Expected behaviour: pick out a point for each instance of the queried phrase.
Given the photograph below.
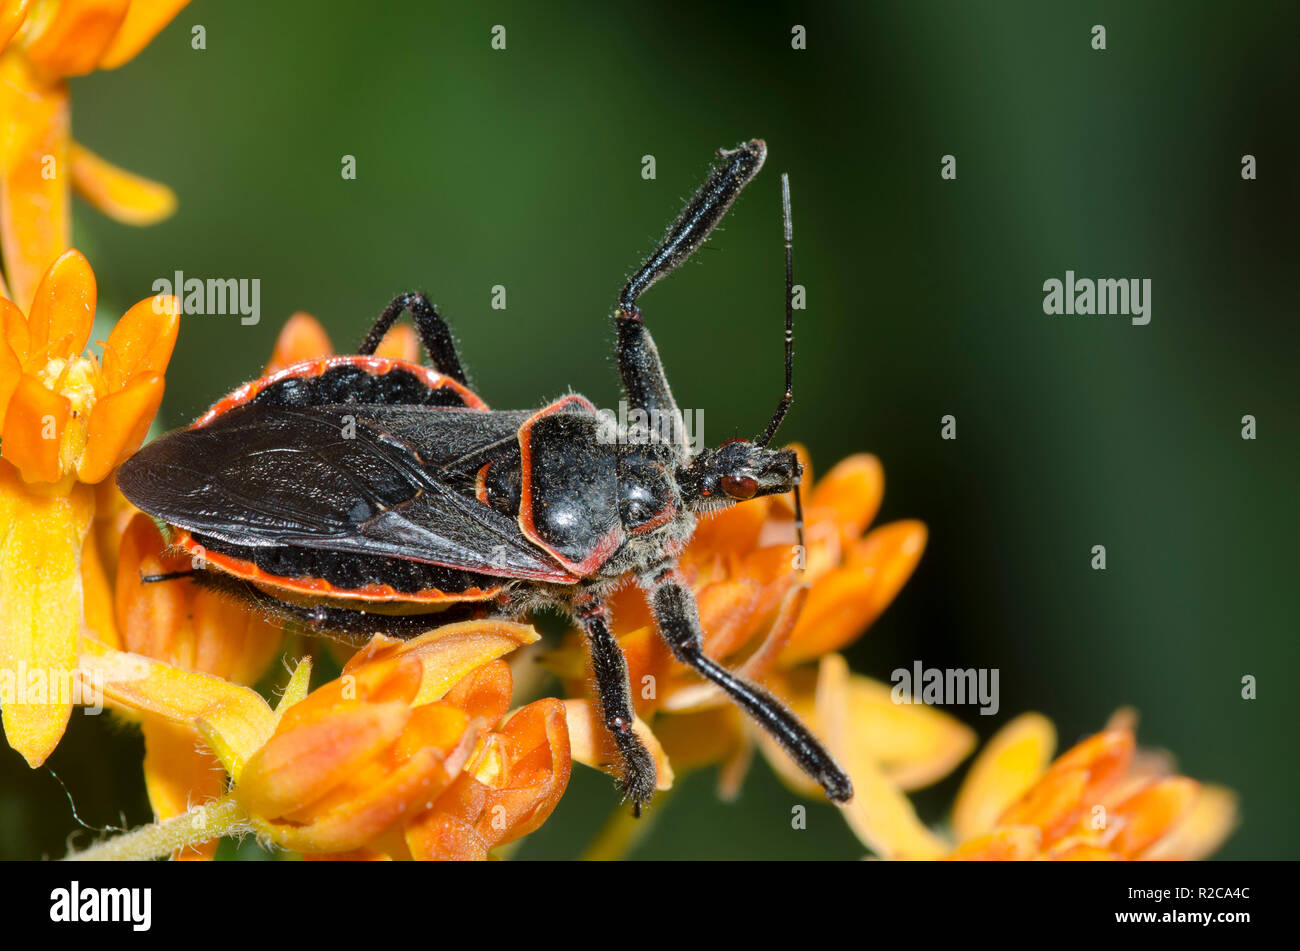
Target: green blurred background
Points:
(522, 167)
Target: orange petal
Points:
(1105, 756)
(118, 424)
(77, 36)
(63, 309)
(13, 327)
(303, 338)
(1145, 817)
(400, 343)
(11, 371)
(124, 196)
(33, 431)
(847, 600)
(1010, 763)
(1053, 804)
(1079, 850)
(734, 530)
(850, 495)
(1200, 833)
(302, 763)
(484, 693)
(539, 771)
(142, 341)
(35, 225)
(143, 22)
(12, 15)
(1007, 844)
(41, 539)
(365, 816)
(179, 773)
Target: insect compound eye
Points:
(739, 487)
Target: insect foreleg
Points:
(433, 330)
(638, 358)
(614, 696)
(678, 620)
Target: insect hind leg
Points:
(433, 330)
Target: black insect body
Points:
(361, 494)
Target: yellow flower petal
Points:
(879, 814)
(143, 22)
(97, 594)
(913, 743)
(41, 537)
(1008, 765)
(235, 720)
(124, 196)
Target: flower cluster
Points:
(418, 749)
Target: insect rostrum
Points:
(362, 494)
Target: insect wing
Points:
(351, 478)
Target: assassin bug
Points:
(361, 494)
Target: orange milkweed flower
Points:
(42, 43)
(1103, 799)
(66, 420)
(410, 753)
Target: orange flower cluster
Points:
(1101, 800)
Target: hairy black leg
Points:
(344, 624)
(678, 620)
(638, 358)
(433, 331)
(169, 576)
(614, 695)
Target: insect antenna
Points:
(788, 397)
